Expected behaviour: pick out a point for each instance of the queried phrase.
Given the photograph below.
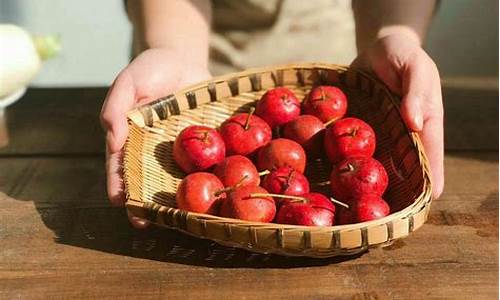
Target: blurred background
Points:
(96, 37)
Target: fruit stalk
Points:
(296, 198)
(330, 121)
(354, 132)
(339, 202)
(230, 188)
(348, 168)
(265, 172)
(250, 113)
(323, 96)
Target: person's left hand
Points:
(407, 70)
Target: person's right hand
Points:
(153, 74)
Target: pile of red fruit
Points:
(244, 146)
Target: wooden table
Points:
(59, 238)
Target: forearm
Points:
(376, 19)
(180, 25)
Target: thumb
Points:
(119, 100)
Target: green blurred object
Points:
(47, 46)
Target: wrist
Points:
(190, 67)
(182, 55)
(403, 32)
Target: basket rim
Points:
(135, 116)
(419, 203)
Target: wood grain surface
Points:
(59, 237)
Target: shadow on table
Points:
(107, 229)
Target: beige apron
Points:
(249, 33)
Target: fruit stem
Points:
(204, 134)
(230, 188)
(354, 132)
(296, 198)
(348, 168)
(263, 173)
(239, 183)
(339, 203)
(323, 96)
(330, 122)
(250, 113)
(222, 191)
(205, 137)
(324, 183)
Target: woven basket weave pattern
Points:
(151, 175)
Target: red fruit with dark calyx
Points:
(308, 131)
(241, 204)
(200, 192)
(198, 148)
(237, 170)
(364, 208)
(278, 106)
(370, 207)
(281, 153)
(356, 176)
(349, 137)
(286, 181)
(328, 103)
(244, 133)
(315, 210)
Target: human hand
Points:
(153, 74)
(407, 70)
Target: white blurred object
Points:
(11, 98)
(21, 57)
(4, 102)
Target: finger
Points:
(137, 222)
(418, 87)
(114, 178)
(120, 99)
(432, 138)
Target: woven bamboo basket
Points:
(151, 175)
